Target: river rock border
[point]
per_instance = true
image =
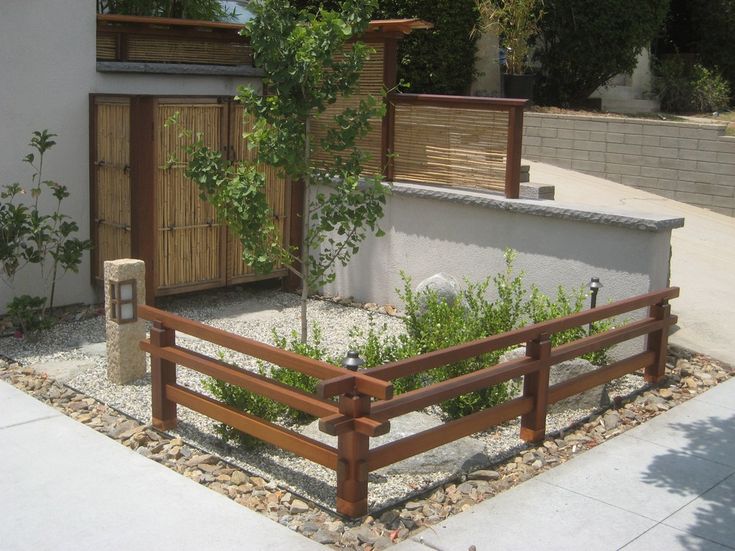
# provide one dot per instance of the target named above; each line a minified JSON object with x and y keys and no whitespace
{"x":689,"y":374}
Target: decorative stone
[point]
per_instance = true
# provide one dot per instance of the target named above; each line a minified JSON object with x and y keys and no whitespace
{"x":62,"y":371}
{"x":298,"y":506}
{"x":592,"y":398}
{"x":444,"y":285}
{"x":125,"y":359}
{"x":459,"y":456}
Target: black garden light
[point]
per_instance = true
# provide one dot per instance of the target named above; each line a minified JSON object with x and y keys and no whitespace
{"x":595,"y":287}
{"x":353,"y":361}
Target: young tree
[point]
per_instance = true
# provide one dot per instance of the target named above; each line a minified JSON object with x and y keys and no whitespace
{"x":309,"y":61}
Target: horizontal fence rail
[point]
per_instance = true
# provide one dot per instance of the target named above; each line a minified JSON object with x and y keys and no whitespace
{"x":355,"y":406}
{"x":456,"y":141}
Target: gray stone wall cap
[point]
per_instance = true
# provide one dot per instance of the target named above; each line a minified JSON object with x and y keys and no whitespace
{"x":178,"y":69}
{"x":630,"y":120}
{"x":551,"y":209}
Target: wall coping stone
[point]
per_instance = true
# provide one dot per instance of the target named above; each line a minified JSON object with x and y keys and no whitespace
{"x":551,"y":209}
{"x":178,"y":69}
{"x":630,"y":120}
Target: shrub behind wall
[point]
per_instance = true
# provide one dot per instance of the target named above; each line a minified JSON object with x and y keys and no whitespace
{"x":435,"y":61}
{"x":585,"y":43}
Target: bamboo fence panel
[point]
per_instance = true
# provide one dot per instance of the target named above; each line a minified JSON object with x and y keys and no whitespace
{"x":174,"y":50}
{"x":372,"y":83}
{"x":188,"y":236}
{"x":112,"y":182}
{"x":451,"y":146}
{"x":106,"y":47}
{"x":276,"y":191}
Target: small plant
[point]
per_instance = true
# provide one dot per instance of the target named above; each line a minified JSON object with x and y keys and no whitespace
{"x":26,"y":313}
{"x":28,"y":236}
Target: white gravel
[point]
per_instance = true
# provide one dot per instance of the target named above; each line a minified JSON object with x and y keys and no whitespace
{"x":254,"y":314}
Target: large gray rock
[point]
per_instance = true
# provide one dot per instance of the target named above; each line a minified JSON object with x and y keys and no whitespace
{"x":62,"y":371}
{"x":592,"y":398}
{"x":463,"y":455}
{"x":444,"y":285}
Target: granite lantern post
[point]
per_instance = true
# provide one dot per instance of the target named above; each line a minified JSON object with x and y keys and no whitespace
{"x":124,"y":290}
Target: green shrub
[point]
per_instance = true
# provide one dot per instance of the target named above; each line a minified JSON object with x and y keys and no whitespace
{"x":431,"y":323}
{"x":683,"y":86}
{"x":205,"y":10}
{"x":584,"y":43}
{"x":541,"y":308}
{"x":714,"y":21}
{"x":26,"y":313}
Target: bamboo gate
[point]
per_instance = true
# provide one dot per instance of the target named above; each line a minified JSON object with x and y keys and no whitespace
{"x":355,"y":406}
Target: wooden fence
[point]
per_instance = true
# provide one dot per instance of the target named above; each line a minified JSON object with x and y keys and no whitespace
{"x":364,"y":400}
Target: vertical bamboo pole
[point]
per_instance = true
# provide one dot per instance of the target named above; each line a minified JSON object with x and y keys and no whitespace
{"x":658,"y":342}
{"x":536,"y":386}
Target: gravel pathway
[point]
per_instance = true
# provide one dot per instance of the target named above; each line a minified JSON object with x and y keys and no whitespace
{"x":255,"y":314}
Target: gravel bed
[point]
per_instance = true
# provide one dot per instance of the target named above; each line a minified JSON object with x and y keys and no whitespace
{"x":255,"y":314}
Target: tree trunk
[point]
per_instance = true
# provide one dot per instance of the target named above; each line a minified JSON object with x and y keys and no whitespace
{"x":305,"y":240}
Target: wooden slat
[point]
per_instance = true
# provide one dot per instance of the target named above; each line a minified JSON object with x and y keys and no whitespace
{"x":578,"y":384}
{"x":291,"y":360}
{"x":456,"y":386}
{"x":424,"y":362}
{"x":254,"y":426}
{"x":592,"y":343}
{"x":251,"y":381}
{"x":393,"y":452}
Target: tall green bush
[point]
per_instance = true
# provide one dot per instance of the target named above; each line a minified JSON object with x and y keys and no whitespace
{"x":584,"y":43}
{"x":714,"y":21}
{"x":205,"y":10}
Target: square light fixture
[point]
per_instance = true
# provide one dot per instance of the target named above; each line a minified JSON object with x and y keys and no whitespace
{"x":124,"y":301}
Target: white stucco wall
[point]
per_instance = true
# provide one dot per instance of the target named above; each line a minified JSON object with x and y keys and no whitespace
{"x":47,"y":71}
{"x":459,"y":233}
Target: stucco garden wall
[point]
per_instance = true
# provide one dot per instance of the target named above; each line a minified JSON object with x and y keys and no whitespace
{"x":48,"y":62}
{"x":690,"y":162}
{"x":464,"y":233}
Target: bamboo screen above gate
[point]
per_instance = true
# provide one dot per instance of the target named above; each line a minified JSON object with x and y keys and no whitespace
{"x":111,"y":181}
{"x":371,"y":83}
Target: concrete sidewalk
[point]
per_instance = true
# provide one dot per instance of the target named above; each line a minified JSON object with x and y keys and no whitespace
{"x":668,"y":484}
{"x":65,"y":486}
{"x":702,"y":260}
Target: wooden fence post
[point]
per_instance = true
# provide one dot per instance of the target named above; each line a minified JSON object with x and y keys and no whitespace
{"x":513,"y":158}
{"x":352,"y":455}
{"x":536,"y":387}
{"x":658,"y":343}
{"x":163,"y":372}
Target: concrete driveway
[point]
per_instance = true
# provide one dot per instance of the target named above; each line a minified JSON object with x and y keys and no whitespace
{"x":702,"y":262}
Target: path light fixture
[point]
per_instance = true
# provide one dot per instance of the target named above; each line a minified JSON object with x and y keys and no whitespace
{"x":353,"y":361}
{"x":595,"y":287}
{"x":124,"y":301}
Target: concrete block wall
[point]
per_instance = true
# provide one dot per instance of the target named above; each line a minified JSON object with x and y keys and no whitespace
{"x":689,"y":162}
